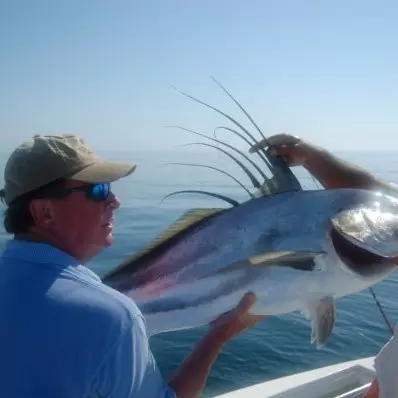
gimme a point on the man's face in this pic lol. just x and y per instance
(81, 225)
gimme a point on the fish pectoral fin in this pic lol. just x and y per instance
(301, 260)
(323, 314)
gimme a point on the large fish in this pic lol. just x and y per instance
(297, 250)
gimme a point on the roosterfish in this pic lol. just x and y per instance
(295, 249)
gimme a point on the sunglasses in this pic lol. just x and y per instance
(95, 192)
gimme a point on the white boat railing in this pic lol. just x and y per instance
(356, 393)
(343, 380)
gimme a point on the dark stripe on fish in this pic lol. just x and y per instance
(163, 305)
(301, 261)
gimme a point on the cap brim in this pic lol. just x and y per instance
(104, 172)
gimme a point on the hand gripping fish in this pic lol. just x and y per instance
(297, 250)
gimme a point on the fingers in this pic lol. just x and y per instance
(246, 303)
(235, 321)
(283, 140)
(241, 309)
(259, 145)
(277, 140)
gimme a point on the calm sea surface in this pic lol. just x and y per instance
(279, 346)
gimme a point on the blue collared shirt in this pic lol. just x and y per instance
(64, 334)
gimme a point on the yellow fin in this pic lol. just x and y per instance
(188, 219)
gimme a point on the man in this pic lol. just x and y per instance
(333, 172)
(62, 332)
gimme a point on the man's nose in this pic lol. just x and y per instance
(113, 201)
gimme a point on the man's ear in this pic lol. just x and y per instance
(42, 211)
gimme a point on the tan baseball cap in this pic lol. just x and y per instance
(46, 158)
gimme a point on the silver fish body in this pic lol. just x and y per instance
(281, 247)
(296, 250)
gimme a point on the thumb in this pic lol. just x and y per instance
(246, 303)
(259, 145)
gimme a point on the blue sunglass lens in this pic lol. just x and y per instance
(100, 192)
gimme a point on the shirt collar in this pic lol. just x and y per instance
(37, 252)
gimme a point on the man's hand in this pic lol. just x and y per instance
(292, 149)
(237, 320)
(190, 378)
(373, 391)
(328, 169)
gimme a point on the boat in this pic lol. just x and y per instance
(349, 379)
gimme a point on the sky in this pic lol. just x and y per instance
(108, 70)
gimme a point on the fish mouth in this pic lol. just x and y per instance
(366, 241)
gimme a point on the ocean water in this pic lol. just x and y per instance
(280, 345)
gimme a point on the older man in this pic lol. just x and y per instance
(333, 172)
(63, 333)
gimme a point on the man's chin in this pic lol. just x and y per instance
(108, 240)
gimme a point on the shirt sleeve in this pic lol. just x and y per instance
(130, 370)
(386, 365)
